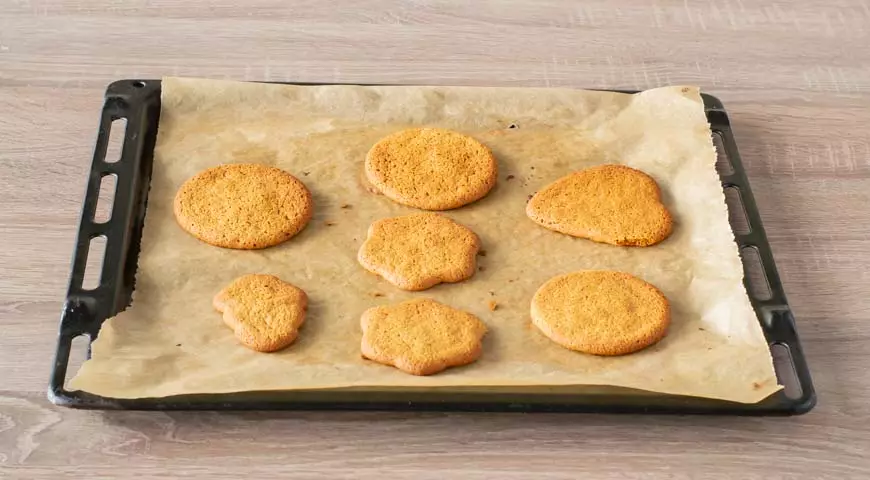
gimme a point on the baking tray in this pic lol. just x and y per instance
(138, 101)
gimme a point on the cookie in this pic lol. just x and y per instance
(264, 312)
(243, 206)
(421, 337)
(418, 251)
(431, 168)
(611, 204)
(601, 312)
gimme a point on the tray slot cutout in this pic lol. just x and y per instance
(94, 266)
(80, 351)
(758, 287)
(115, 143)
(723, 163)
(736, 211)
(786, 371)
(106, 199)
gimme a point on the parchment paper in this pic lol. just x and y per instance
(171, 341)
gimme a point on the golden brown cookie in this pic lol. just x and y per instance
(431, 168)
(418, 251)
(601, 312)
(243, 206)
(264, 312)
(609, 203)
(421, 337)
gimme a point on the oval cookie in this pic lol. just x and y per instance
(243, 206)
(418, 251)
(421, 337)
(431, 168)
(609, 203)
(601, 312)
(264, 312)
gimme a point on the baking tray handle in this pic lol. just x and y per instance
(774, 314)
(137, 102)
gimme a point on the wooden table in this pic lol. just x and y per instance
(795, 77)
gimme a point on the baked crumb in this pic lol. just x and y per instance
(492, 305)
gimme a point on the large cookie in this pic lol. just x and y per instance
(609, 203)
(601, 312)
(418, 251)
(243, 206)
(264, 312)
(421, 337)
(431, 168)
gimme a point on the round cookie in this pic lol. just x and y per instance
(264, 312)
(421, 337)
(601, 312)
(431, 168)
(243, 206)
(609, 203)
(418, 251)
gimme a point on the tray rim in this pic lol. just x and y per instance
(138, 100)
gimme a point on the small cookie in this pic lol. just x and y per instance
(431, 168)
(601, 312)
(264, 312)
(609, 203)
(421, 337)
(418, 251)
(243, 206)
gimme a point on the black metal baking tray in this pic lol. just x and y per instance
(138, 101)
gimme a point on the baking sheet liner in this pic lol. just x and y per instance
(170, 341)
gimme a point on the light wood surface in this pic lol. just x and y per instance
(795, 77)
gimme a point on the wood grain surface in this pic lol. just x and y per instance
(795, 77)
